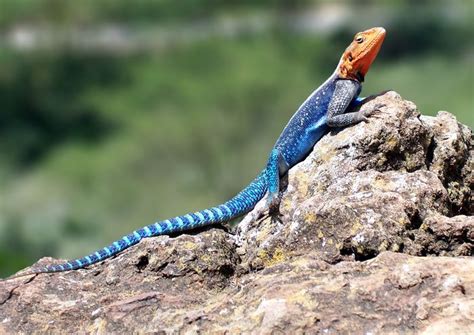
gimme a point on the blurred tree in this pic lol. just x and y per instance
(42, 101)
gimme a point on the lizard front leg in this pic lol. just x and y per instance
(351, 118)
(342, 100)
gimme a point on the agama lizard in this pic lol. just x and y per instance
(330, 105)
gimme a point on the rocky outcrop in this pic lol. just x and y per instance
(400, 183)
(351, 251)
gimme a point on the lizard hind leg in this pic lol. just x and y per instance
(276, 167)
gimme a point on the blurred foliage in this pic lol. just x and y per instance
(96, 143)
(42, 101)
(140, 11)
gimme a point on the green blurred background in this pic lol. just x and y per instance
(115, 113)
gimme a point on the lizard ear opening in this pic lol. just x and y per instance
(360, 77)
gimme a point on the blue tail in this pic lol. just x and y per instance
(242, 203)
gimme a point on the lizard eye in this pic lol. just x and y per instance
(359, 39)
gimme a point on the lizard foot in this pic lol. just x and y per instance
(266, 213)
(273, 204)
(270, 208)
(372, 112)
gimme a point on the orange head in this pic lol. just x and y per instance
(359, 55)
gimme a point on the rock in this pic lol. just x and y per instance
(346, 254)
(451, 157)
(370, 188)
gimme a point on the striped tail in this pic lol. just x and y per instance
(242, 203)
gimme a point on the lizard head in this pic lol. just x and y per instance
(359, 55)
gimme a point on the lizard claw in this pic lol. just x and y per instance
(372, 112)
(273, 204)
(378, 107)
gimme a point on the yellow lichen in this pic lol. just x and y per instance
(410, 162)
(383, 246)
(303, 298)
(286, 205)
(190, 245)
(383, 184)
(360, 249)
(302, 183)
(276, 257)
(325, 152)
(391, 143)
(310, 217)
(98, 327)
(206, 258)
(263, 233)
(356, 227)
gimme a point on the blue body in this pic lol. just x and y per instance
(307, 125)
(302, 132)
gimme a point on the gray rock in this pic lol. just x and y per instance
(345, 255)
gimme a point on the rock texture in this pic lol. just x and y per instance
(352, 251)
